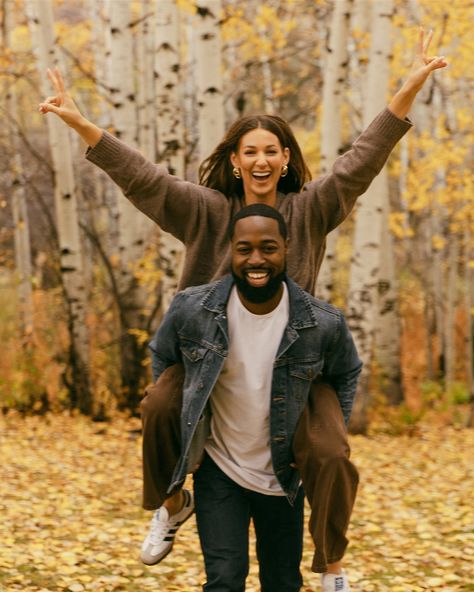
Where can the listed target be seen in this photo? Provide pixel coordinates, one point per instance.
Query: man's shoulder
(199, 293)
(318, 306)
(193, 292)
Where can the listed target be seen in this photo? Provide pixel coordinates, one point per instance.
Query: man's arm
(342, 367)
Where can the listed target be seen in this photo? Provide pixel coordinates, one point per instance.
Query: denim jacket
(316, 344)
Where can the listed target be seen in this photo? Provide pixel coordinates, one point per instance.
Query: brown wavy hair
(216, 171)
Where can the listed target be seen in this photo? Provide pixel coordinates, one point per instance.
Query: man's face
(258, 257)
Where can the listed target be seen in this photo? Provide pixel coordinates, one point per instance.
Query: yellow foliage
(141, 336)
(260, 35)
(438, 242)
(398, 225)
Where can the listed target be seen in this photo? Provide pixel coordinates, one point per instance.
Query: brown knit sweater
(199, 216)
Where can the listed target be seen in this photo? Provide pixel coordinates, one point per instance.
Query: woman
(258, 161)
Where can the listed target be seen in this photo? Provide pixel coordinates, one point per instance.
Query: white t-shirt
(240, 401)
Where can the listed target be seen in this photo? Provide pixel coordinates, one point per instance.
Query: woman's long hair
(216, 171)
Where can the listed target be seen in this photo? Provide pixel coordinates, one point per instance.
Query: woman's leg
(330, 480)
(161, 412)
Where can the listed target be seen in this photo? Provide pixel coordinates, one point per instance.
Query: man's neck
(261, 308)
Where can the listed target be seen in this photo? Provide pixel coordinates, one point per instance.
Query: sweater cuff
(106, 149)
(389, 124)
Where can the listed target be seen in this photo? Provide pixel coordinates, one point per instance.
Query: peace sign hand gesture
(423, 64)
(64, 107)
(61, 103)
(421, 69)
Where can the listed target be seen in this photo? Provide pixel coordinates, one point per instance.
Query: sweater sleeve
(176, 206)
(333, 195)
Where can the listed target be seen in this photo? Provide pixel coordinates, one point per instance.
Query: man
(252, 345)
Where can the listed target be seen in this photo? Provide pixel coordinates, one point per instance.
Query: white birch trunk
(365, 267)
(388, 332)
(469, 278)
(335, 76)
(40, 20)
(268, 98)
(190, 101)
(124, 115)
(23, 264)
(208, 75)
(170, 131)
(146, 103)
(450, 317)
(134, 228)
(105, 214)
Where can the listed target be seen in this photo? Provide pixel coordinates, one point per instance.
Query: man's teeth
(257, 275)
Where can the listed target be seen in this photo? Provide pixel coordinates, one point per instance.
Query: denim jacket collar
(302, 313)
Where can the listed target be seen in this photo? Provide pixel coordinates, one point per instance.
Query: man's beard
(260, 294)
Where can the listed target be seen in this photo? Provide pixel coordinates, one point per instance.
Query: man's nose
(255, 257)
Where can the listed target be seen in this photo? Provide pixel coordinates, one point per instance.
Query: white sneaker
(163, 529)
(335, 582)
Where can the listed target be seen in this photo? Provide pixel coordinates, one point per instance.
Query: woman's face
(260, 158)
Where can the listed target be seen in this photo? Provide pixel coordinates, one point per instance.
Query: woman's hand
(61, 103)
(423, 65)
(64, 107)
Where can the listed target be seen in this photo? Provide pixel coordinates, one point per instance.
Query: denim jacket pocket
(302, 374)
(192, 351)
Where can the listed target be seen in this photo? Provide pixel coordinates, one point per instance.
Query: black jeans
(223, 513)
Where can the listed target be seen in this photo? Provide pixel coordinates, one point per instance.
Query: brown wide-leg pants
(320, 448)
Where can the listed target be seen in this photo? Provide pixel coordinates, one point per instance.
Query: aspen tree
(469, 279)
(335, 76)
(450, 317)
(22, 244)
(365, 266)
(104, 215)
(170, 130)
(40, 20)
(146, 99)
(211, 125)
(134, 228)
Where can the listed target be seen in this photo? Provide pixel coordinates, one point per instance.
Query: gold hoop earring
(236, 173)
(284, 171)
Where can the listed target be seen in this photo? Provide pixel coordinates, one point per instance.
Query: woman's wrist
(402, 101)
(89, 132)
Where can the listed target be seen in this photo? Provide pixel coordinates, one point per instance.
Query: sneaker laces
(158, 529)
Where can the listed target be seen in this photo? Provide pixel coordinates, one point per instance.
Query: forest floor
(71, 520)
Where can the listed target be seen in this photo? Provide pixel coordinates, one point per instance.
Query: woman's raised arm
(423, 66)
(65, 108)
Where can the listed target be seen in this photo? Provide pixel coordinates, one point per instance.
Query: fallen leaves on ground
(70, 493)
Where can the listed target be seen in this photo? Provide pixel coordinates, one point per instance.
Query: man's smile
(257, 277)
